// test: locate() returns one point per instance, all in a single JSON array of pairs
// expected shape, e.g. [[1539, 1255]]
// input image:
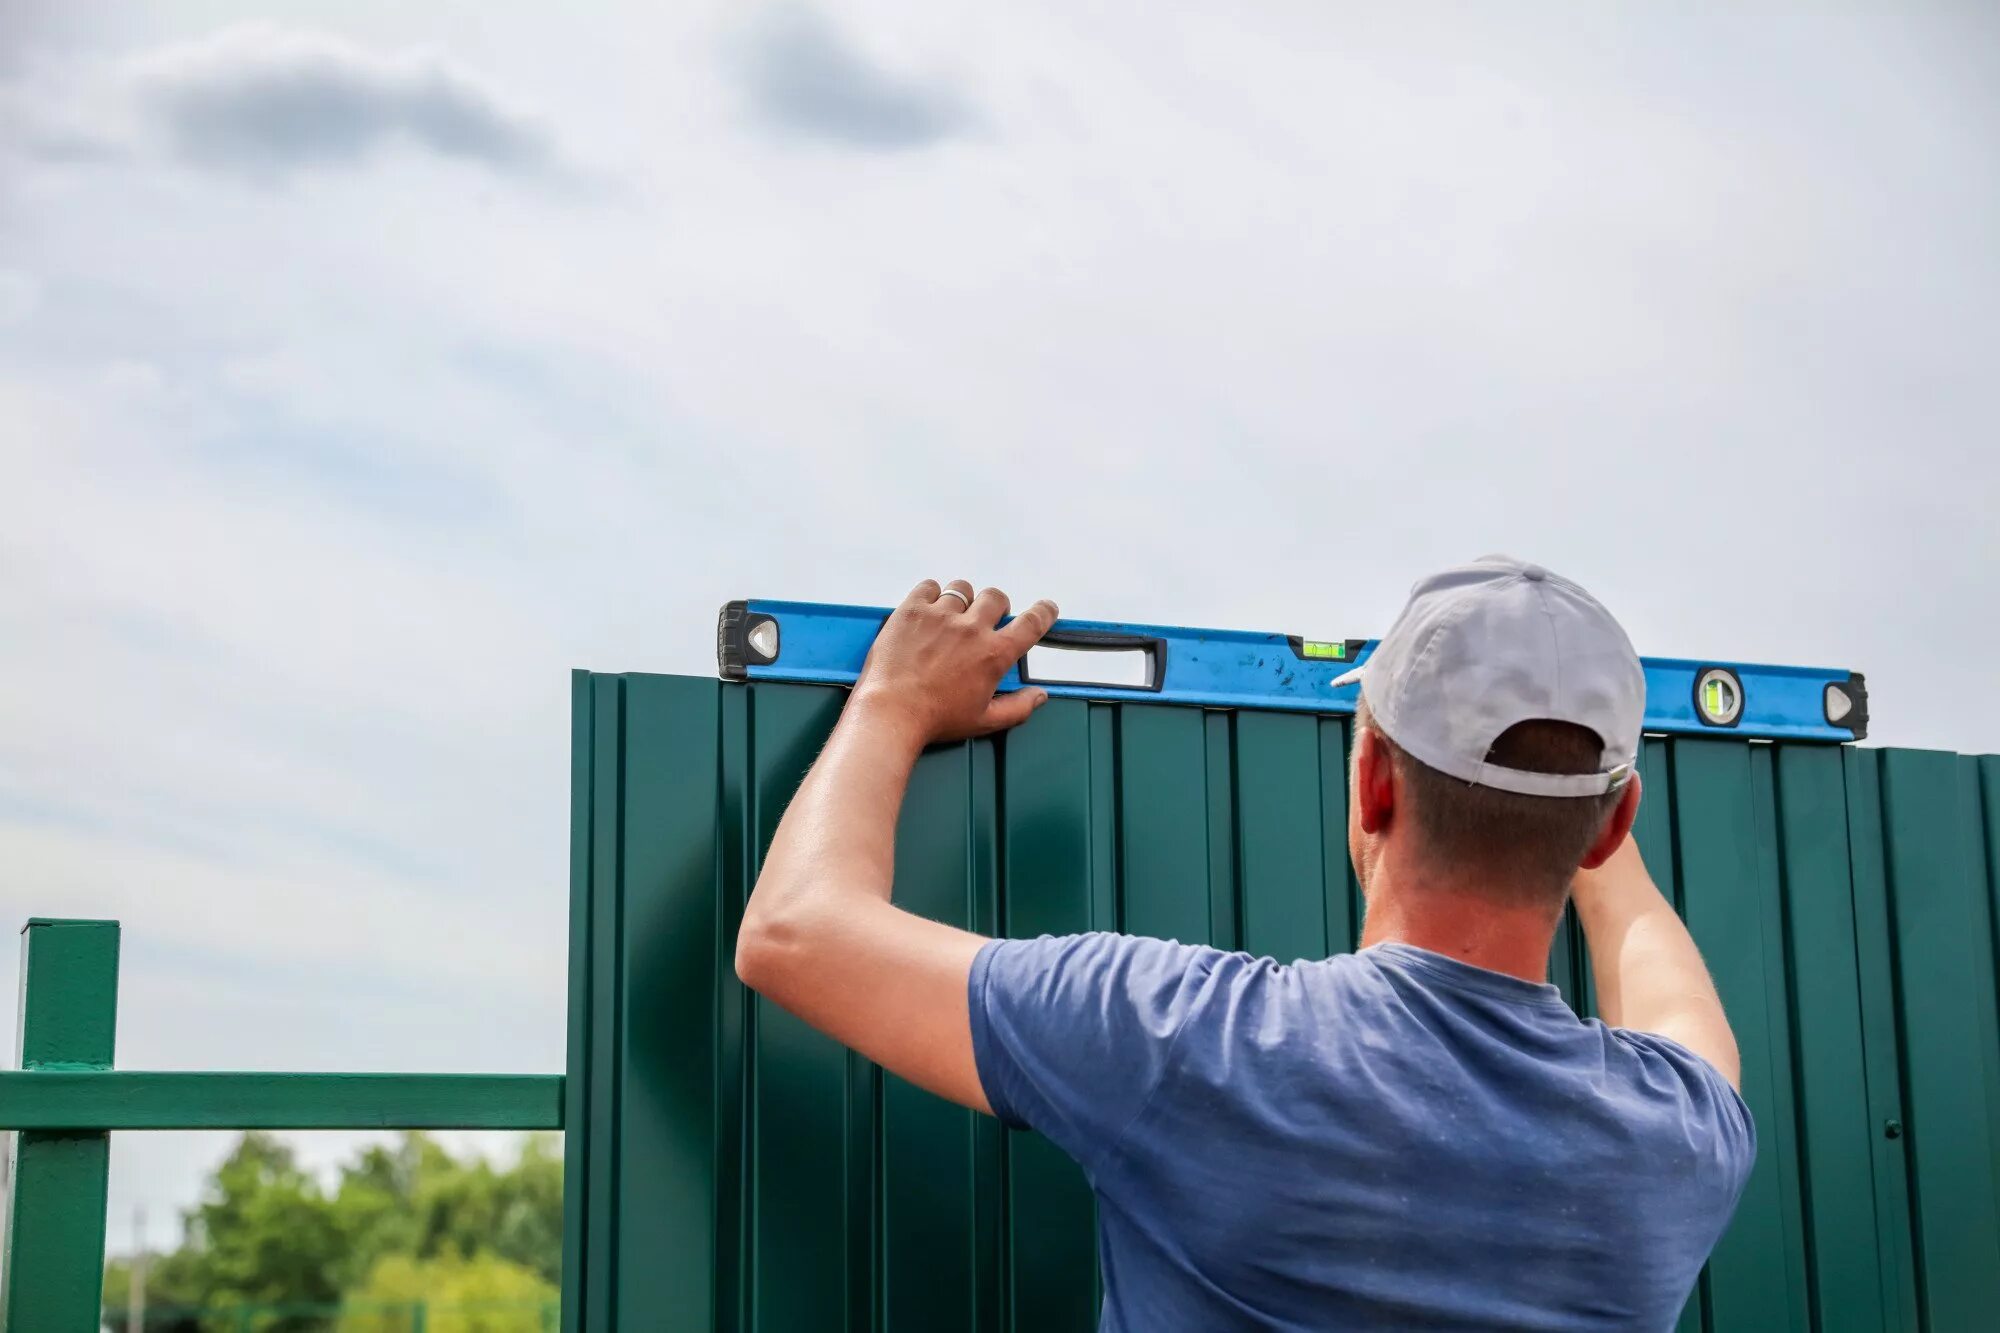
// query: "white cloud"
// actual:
[[20, 294], [135, 379], [807, 80], [262, 98], [264, 101]]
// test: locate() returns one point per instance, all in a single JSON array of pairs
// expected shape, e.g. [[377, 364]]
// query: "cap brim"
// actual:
[[1347, 678]]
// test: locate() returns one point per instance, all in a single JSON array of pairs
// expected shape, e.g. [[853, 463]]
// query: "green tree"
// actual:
[[266, 1233], [417, 1199], [482, 1295], [528, 1230], [170, 1297]]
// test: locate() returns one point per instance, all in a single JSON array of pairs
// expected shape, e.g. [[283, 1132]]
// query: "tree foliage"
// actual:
[[483, 1295], [406, 1222]]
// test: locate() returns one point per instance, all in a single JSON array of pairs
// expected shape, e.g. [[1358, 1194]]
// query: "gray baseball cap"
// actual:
[[1500, 641]]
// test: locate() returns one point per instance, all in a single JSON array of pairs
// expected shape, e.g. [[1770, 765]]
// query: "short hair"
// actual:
[[1527, 847]]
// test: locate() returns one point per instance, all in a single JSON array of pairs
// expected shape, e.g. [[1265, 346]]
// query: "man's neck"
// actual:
[[1458, 924]]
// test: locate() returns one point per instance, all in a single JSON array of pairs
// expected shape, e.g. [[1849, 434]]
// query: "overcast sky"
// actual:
[[362, 374]]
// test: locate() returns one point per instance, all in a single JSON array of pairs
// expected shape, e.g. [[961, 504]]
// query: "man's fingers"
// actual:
[[962, 602], [1010, 710], [1026, 630], [990, 607], [923, 594]]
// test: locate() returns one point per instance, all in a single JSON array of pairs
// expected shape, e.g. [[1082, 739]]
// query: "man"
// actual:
[[1420, 1135]]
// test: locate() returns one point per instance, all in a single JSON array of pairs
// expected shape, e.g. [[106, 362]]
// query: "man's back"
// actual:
[[1389, 1139]]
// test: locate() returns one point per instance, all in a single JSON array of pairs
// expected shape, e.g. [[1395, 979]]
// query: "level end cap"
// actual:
[[732, 649], [1847, 704]]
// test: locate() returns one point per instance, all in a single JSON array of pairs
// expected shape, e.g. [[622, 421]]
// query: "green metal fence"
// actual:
[[730, 1169], [66, 1099], [726, 1168]]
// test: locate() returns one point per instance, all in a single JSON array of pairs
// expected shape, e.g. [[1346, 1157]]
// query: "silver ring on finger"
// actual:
[[953, 592]]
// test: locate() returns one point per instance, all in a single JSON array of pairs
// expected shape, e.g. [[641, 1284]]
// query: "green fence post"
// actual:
[[54, 1277], [418, 1318]]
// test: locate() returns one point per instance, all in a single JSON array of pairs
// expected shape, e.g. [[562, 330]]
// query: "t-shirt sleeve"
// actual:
[[1716, 1120], [1072, 1034]]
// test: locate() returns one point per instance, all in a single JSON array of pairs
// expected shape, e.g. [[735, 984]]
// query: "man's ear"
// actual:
[[1615, 828], [1374, 780]]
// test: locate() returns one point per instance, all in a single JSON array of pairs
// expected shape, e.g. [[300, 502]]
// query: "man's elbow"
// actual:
[[1704, 1030], [766, 951]]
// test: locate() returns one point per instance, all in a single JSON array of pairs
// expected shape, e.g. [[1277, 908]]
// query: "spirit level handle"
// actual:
[[1073, 642], [1092, 638]]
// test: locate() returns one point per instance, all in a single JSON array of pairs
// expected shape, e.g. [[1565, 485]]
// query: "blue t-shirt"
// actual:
[[1388, 1139]]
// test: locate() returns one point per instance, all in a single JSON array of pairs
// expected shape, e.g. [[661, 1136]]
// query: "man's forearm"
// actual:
[[1649, 974], [838, 836]]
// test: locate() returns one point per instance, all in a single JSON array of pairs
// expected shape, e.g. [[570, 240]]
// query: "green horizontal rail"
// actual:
[[108, 1099]]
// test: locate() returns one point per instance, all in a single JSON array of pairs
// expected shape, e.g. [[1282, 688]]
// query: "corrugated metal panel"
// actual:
[[1939, 895], [731, 1169], [1730, 900], [1880, 1047]]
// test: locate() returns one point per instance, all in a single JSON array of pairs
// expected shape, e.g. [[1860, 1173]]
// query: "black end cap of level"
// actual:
[[1856, 689], [732, 646]]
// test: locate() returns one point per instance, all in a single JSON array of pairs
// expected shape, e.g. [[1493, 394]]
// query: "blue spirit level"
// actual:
[[820, 643]]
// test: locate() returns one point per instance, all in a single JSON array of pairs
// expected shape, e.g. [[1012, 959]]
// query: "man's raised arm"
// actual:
[[819, 934], [1650, 976]]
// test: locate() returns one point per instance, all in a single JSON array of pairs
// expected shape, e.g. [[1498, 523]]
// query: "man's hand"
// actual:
[[940, 656]]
